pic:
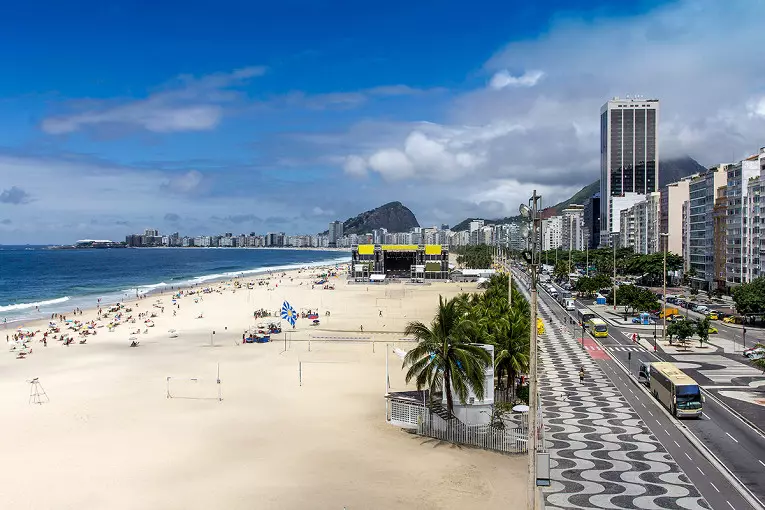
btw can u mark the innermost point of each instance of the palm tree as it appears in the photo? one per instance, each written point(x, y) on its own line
point(512, 341)
point(445, 355)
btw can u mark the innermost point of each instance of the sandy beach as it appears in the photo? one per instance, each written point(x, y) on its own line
point(110, 438)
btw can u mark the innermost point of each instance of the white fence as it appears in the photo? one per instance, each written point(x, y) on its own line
point(507, 440)
point(404, 414)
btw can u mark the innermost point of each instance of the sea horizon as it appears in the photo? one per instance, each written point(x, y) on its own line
point(36, 281)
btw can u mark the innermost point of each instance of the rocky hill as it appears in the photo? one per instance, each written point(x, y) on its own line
point(394, 216)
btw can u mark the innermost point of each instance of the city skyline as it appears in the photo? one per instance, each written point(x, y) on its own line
point(292, 126)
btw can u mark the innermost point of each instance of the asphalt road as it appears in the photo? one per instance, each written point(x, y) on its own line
point(735, 444)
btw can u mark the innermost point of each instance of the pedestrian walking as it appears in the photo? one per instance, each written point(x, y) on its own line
point(581, 375)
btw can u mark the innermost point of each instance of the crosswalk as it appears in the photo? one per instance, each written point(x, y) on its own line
point(730, 369)
point(614, 348)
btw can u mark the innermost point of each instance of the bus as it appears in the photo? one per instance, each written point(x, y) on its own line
point(598, 327)
point(675, 390)
point(585, 316)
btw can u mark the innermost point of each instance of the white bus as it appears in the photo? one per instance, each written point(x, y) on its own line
point(675, 390)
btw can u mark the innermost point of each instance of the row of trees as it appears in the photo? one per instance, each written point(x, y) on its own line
point(475, 257)
point(627, 262)
point(635, 299)
point(684, 330)
point(448, 354)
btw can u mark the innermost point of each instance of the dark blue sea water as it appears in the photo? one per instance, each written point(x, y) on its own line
point(60, 280)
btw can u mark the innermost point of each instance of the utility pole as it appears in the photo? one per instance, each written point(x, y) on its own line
point(664, 293)
point(613, 242)
point(532, 213)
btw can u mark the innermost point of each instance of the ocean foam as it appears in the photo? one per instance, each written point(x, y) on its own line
point(26, 306)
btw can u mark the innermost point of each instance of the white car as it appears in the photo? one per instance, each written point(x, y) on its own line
point(755, 352)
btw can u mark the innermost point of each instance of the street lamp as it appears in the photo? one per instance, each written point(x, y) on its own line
point(664, 293)
point(531, 213)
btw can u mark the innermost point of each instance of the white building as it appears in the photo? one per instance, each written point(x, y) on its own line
point(629, 156)
point(552, 233)
point(572, 235)
point(335, 232)
point(672, 198)
point(702, 191)
point(740, 222)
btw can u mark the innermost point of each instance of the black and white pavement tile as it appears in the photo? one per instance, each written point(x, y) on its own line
point(602, 454)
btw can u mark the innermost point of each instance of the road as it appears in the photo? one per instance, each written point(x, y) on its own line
point(735, 443)
point(737, 446)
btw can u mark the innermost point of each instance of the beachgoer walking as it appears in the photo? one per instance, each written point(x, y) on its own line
point(380, 313)
point(581, 375)
point(362, 328)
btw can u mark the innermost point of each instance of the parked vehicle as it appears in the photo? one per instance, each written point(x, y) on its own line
point(712, 315)
point(750, 353)
point(732, 319)
point(644, 373)
point(669, 312)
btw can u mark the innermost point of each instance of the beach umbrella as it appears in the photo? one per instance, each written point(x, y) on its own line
point(521, 408)
point(25, 331)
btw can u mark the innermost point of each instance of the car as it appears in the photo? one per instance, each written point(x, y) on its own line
point(732, 319)
point(712, 330)
point(712, 316)
point(701, 309)
point(754, 351)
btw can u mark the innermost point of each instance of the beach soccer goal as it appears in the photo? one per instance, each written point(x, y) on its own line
point(195, 388)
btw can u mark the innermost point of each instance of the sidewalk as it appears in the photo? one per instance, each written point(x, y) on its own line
point(600, 449)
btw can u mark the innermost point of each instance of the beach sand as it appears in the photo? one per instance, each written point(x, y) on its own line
point(110, 438)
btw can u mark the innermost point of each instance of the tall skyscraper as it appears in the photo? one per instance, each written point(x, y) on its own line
point(335, 233)
point(629, 158)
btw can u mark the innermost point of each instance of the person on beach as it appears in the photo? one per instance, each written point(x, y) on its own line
point(380, 313)
point(362, 328)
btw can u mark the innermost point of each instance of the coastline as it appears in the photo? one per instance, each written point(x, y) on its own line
point(13, 314)
point(301, 422)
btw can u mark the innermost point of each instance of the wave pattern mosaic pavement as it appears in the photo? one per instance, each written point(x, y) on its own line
point(602, 454)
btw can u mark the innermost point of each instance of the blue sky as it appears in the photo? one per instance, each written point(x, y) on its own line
point(205, 117)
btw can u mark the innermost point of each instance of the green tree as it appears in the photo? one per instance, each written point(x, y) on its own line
point(684, 330)
point(750, 297)
point(445, 355)
point(512, 347)
point(560, 271)
point(702, 329)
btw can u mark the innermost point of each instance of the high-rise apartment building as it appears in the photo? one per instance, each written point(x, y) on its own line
point(739, 253)
point(572, 237)
point(720, 222)
point(629, 157)
point(335, 233)
point(673, 196)
point(639, 228)
point(702, 192)
point(551, 233)
point(592, 221)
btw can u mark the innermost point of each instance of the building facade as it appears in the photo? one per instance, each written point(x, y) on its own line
point(673, 196)
point(592, 221)
point(739, 254)
point(629, 155)
point(335, 233)
point(702, 250)
point(572, 237)
point(551, 233)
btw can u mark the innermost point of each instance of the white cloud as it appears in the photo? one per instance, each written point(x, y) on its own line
point(511, 137)
point(184, 183)
point(756, 107)
point(355, 166)
point(190, 104)
point(503, 79)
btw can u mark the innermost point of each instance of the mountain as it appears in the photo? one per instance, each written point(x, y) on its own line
point(394, 216)
point(465, 224)
point(670, 170)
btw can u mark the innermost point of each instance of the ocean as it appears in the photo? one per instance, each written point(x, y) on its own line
point(61, 280)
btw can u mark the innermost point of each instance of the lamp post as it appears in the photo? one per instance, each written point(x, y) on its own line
point(531, 212)
point(664, 293)
point(613, 243)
